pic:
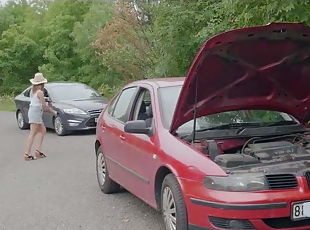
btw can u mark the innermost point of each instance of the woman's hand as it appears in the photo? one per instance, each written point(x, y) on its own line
point(54, 112)
point(45, 104)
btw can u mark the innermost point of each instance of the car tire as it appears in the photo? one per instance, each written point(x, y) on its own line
point(172, 204)
point(59, 126)
point(21, 121)
point(106, 184)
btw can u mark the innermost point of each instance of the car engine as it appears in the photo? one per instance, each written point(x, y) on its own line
point(258, 152)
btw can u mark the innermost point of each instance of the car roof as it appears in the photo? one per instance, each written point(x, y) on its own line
point(161, 82)
point(55, 84)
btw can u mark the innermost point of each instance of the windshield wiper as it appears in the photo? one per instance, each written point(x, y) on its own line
point(279, 123)
point(81, 99)
point(231, 126)
point(237, 127)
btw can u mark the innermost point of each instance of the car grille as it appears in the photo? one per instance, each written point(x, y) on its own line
point(91, 122)
point(281, 181)
point(286, 222)
point(95, 112)
point(230, 223)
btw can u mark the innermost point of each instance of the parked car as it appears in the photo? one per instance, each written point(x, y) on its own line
point(224, 148)
point(78, 107)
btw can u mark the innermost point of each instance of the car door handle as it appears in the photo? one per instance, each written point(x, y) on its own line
point(122, 137)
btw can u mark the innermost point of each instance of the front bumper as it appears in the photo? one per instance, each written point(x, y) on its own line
point(263, 210)
point(79, 122)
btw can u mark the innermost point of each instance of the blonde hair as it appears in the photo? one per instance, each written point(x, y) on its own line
point(35, 88)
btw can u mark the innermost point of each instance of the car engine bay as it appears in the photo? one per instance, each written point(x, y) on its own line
point(291, 153)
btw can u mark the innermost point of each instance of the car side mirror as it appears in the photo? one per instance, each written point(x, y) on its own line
point(138, 126)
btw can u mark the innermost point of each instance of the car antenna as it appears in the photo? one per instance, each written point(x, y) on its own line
point(195, 110)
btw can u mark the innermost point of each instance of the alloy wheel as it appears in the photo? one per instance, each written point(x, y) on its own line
point(58, 126)
point(169, 209)
point(20, 120)
point(101, 168)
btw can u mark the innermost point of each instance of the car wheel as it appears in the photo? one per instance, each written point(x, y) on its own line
point(106, 184)
point(21, 120)
point(59, 127)
point(172, 204)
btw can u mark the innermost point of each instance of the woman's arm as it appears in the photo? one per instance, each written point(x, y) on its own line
point(44, 104)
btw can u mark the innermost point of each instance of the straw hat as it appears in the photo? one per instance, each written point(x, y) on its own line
point(38, 79)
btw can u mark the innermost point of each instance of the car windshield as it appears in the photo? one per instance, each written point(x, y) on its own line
point(73, 92)
point(168, 98)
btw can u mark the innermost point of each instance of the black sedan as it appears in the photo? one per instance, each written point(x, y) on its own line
point(78, 107)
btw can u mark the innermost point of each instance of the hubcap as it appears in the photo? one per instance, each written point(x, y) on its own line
point(169, 209)
point(58, 125)
point(20, 119)
point(101, 168)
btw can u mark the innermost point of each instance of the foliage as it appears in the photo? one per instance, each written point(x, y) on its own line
point(59, 54)
point(124, 45)
point(108, 43)
point(92, 70)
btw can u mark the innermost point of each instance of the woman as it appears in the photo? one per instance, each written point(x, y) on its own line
point(37, 105)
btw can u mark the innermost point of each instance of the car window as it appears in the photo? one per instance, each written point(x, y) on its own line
point(76, 92)
point(45, 93)
point(143, 107)
point(112, 105)
point(121, 108)
point(27, 93)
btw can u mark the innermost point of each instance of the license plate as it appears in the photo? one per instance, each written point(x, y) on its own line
point(96, 119)
point(300, 210)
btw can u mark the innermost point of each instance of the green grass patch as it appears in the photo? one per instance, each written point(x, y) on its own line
point(7, 103)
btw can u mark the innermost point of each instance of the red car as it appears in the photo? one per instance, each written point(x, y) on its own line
point(227, 147)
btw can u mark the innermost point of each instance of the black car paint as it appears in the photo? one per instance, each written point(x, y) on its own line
point(22, 102)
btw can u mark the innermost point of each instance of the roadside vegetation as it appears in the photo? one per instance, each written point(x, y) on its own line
point(7, 103)
point(108, 43)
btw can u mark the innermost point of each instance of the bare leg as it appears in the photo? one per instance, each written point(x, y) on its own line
point(29, 141)
point(41, 134)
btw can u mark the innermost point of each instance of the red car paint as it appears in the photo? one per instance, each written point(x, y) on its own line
point(135, 160)
point(262, 67)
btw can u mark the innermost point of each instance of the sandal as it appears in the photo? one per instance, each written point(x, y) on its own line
point(40, 154)
point(28, 157)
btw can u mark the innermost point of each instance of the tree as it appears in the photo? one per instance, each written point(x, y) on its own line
point(19, 58)
point(61, 60)
point(91, 70)
point(124, 44)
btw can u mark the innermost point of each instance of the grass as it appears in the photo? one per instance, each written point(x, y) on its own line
point(7, 103)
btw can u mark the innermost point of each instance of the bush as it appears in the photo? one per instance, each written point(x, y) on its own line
point(12, 90)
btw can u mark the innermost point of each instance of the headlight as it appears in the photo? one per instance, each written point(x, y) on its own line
point(237, 182)
point(74, 111)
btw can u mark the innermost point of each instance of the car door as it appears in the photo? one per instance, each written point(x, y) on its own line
point(24, 103)
point(141, 151)
point(112, 133)
point(47, 116)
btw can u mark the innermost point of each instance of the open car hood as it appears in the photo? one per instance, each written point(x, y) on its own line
point(264, 67)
